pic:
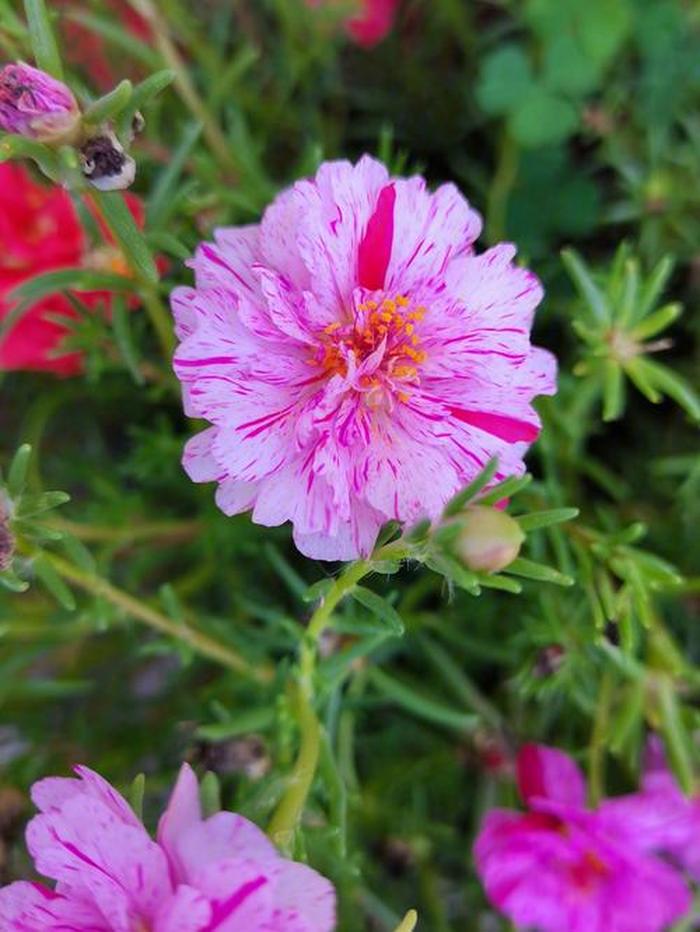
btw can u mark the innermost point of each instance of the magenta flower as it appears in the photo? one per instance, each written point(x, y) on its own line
point(372, 21)
point(34, 104)
point(660, 817)
point(562, 868)
point(358, 361)
point(216, 875)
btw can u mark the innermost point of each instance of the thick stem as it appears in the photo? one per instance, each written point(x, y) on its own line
point(202, 643)
point(291, 806)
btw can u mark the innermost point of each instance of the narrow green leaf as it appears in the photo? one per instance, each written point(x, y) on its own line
point(676, 737)
point(13, 146)
point(412, 701)
point(121, 327)
point(531, 570)
point(587, 288)
point(53, 582)
point(379, 607)
point(243, 723)
point(76, 278)
point(671, 384)
point(656, 322)
point(210, 794)
point(318, 590)
point(502, 583)
point(10, 580)
point(654, 286)
point(109, 105)
point(624, 312)
point(640, 376)
point(135, 794)
point(141, 96)
point(506, 489)
point(540, 519)
point(31, 505)
point(17, 473)
point(456, 504)
point(42, 38)
point(127, 234)
point(613, 390)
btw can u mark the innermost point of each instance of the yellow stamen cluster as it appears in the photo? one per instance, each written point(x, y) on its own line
point(392, 322)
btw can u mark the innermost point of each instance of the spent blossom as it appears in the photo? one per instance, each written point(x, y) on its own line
point(219, 874)
point(34, 104)
point(560, 867)
point(357, 359)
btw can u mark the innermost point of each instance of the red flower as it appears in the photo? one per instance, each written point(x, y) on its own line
point(372, 22)
point(40, 232)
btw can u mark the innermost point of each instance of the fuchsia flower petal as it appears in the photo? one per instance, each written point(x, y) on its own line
point(562, 868)
point(358, 362)
point(549, 774)
point(220, 874)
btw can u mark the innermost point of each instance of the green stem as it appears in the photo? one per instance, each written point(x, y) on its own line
point(288, 813)
point(291, 807)
point(160, 319)
point(168, 530)
point(202, 643)
point(503, 180)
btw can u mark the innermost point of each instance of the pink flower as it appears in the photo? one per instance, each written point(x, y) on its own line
point(215, 875)
point(34, 104)
point(371, 23)
point(357, 360)
point(661, 818)
point(562, 868)
point(374, 21)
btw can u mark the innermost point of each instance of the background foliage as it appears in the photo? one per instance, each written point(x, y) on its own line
point(569, 123)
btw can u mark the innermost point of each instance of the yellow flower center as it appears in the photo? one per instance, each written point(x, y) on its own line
point(390, 324)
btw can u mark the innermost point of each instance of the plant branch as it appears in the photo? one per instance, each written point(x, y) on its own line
point(202, 643)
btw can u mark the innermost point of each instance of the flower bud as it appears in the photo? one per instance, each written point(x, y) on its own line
point(488, 539)
point(34, 104)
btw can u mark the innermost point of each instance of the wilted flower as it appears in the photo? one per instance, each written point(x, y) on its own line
point(488, 539)
point(371, 23)
point(358, 361)
point(34, 104)
point(106, 164)
point(40, 231)
point(200, 875)
point(563, 868)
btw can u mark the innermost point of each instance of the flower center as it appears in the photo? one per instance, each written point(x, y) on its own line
point(379, 352)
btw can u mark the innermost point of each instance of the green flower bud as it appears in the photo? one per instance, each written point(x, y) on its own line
point(488, 539)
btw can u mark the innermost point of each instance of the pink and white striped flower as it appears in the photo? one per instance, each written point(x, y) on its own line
point(219, 874)
point(357, 360)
